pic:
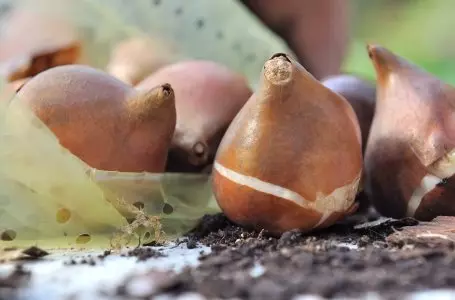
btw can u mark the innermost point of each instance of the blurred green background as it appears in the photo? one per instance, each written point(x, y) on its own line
point(422, 31)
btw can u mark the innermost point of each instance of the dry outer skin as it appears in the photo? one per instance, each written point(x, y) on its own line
point(361, 94)
point(102, 120)
point(53, 42)
point(132, 60)
point(272, 164)
point(208, 96)
point(408, 161)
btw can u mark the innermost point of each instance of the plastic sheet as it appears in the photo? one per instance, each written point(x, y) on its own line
point(222, 31)
point(50, 198)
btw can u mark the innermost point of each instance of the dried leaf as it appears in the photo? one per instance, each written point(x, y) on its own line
point(440, 229)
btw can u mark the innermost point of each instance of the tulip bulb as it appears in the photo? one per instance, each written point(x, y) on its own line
point(208, 96)
point(33, 42)
point(102, 120)
point(361, 94)
point(132, 60)
point(409, 161)
point(291, 158)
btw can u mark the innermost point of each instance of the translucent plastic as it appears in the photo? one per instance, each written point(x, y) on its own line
point(222, 30)
point(50, 198)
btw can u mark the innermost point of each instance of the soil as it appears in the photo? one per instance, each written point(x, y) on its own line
point(345, 260)
point(362, 254)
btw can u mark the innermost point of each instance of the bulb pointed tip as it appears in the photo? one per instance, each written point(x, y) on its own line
point(278, 69)
point(374, 51)
point(167, 90)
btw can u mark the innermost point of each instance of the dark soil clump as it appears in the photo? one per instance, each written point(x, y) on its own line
point(35, 252)
point(145, 253)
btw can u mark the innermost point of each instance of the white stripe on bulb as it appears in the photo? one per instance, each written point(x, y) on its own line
point(340, 199)
point(427, 184)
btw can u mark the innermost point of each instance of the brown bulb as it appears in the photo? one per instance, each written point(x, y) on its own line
point(105, 122)
point(134, 59)
point(291, 158)
point(33, 42)
point(208, 96)
point(409, 161)
point(361, 94)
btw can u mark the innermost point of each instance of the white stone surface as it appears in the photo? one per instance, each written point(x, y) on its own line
point(52, 279)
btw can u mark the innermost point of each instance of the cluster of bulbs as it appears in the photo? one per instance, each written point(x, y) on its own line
point(291, 155)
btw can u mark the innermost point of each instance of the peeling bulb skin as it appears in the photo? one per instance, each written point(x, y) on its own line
point(411, 138)
point(103, 121)
point(291, 158)
point(207, 97)
point(361, 94)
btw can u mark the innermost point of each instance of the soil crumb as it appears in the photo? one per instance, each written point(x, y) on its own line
point(145, 253)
